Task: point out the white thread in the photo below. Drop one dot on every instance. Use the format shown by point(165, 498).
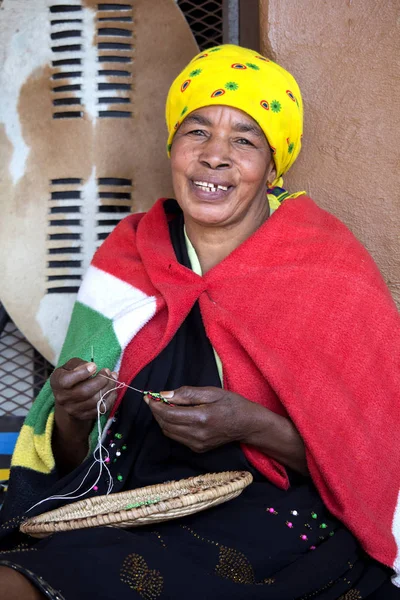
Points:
point(121, 384)
point(97, 455)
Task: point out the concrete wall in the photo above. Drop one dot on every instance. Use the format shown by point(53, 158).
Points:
point(345, 54)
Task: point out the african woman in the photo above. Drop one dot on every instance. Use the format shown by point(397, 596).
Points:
point(271, 334)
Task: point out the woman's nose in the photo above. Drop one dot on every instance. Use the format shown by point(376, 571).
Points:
point(215, 154)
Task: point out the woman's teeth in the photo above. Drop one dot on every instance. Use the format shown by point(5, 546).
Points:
point(209, 187)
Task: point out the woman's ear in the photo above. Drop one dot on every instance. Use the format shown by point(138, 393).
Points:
point(271, 174)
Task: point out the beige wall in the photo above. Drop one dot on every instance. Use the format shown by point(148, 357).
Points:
point(345, 55)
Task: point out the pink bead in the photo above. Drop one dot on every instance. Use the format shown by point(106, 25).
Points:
point(304, 537)
point(95, 488)
point(271, 510)
point(313, 547)
point(107, 460)
point(289, 524)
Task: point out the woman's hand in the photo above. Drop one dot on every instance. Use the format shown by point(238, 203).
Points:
point(202, 418)
point(207, 417)
point(76, 394)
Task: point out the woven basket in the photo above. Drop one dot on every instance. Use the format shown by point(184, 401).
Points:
point(150, 504)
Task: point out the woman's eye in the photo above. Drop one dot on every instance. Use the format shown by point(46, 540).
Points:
point(244, 142)
point(198, 132)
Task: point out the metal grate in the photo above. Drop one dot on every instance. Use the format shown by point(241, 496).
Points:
point(23, 371)
point(205, 19)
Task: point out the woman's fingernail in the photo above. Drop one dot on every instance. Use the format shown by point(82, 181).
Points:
point(146, 399)
point(91, 367)
point(114, 375)
point(167, 395)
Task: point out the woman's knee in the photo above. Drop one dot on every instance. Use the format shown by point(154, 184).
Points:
point(17, 586)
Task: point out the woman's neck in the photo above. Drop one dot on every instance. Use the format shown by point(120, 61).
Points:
point(213, 244)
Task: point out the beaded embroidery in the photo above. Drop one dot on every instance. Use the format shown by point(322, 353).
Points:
point(20, 548)
point(232, 564)
point(351, 595)
point(136, 573)
point(160, 539)
point(317, 592)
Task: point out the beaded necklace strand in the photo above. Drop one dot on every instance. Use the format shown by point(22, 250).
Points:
point(155, 395)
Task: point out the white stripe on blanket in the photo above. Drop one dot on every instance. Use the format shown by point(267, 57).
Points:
point(396, 535)
point(128, 307)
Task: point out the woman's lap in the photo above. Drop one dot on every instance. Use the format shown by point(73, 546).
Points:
point(386, 592)
point(237, 550)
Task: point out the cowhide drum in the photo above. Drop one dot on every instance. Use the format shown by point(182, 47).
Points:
point(82, 141)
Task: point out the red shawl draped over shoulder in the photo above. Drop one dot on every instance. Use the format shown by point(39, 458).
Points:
point(304, 325)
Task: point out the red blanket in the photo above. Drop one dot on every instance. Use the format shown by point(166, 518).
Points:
point(304, 325)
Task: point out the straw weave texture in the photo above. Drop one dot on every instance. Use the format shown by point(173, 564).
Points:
point(150, 504)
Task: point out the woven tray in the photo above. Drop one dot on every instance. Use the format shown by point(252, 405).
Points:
point(150, 504)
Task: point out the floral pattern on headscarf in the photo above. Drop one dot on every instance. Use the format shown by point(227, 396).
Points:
point(234, 76)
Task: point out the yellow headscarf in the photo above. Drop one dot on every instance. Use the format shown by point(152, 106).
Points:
point(234, 76)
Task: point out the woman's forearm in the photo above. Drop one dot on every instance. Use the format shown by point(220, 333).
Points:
point(77, 391)
point(70, 442)
point(277, 437)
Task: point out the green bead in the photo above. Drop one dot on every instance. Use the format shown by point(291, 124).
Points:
point(323, 526)
point(118, 436)
point(332, 533)
point(314, 515)
point(135, 505)
point(124, 447)
point(119, 477)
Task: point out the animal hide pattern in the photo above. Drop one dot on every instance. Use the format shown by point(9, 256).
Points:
point(82, 141)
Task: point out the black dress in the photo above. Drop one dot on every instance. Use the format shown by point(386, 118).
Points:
point(266, 544)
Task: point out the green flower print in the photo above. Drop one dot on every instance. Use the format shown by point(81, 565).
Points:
point(214, 49)
point(276, 106)
point(184, 110)
point(291, 147)
point(169, 146)
point(252, 66)
point(195, 72)
point(231, 86)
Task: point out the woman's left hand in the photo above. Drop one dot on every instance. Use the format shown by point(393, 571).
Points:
point(203, 418)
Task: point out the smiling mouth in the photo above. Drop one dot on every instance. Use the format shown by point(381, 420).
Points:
point(210, 187)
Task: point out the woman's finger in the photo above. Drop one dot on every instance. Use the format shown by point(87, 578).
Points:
point(85, 389)
point(72, 363)
point(108, 394)
point(183, 431)
point(193, 396)
point(186, 415)
point(88, 408)
point(184, 437)
point(65, 378)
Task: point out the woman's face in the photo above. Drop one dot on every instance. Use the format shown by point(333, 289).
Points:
point(221, 163)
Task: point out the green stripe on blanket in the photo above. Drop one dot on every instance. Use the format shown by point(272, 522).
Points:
point(87, 328)
point(91, 328)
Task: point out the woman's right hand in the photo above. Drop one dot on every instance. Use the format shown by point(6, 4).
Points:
point(76, 394)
